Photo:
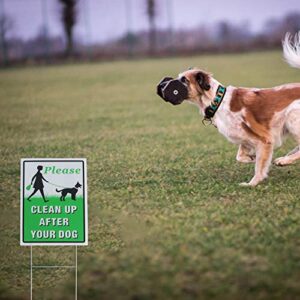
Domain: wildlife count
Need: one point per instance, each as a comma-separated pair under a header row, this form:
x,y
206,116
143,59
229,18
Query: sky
x,y
103,20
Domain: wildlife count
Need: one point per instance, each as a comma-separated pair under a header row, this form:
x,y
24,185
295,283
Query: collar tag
x,y
206,121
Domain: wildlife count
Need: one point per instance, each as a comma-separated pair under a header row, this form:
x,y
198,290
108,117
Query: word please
x,y
55,170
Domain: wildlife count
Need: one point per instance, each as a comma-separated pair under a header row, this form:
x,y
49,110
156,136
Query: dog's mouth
x,y
172,90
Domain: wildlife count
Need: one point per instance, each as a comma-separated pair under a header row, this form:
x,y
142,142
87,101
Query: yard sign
x,y
53,202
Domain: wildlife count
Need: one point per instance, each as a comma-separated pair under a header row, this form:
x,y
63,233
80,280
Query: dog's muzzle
x,y
172,90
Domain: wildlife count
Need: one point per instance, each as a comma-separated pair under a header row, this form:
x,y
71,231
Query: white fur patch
x,y
291,51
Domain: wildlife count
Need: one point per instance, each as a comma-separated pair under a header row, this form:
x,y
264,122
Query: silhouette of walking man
x,y
38,184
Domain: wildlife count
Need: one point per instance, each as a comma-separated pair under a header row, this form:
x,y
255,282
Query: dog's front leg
x,y
264,153
245,155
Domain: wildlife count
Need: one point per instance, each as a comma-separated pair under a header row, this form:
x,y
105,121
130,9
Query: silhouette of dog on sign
x,y
73,191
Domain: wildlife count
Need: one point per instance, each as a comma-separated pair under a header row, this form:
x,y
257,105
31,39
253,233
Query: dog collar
x,y
213,107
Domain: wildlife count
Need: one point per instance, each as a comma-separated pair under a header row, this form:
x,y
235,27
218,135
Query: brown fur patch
x,y
256,128
255,134
261,105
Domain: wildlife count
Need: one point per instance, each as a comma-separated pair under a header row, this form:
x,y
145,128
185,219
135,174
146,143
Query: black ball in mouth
x,y
172,90
175,101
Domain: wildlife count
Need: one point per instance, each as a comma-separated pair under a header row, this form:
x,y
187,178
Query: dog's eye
x,y
183,80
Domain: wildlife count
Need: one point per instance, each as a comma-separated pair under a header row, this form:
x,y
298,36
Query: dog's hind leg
x,y
293,125
294,150
289,159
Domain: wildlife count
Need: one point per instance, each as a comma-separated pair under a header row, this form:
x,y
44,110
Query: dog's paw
x,y
282,161
257,179
253,182
245,184
246,159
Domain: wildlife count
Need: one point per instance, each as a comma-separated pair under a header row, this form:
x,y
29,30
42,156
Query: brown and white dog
x,y
255,119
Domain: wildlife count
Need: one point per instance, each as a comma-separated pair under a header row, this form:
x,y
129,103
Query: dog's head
x,y
189,85
78,185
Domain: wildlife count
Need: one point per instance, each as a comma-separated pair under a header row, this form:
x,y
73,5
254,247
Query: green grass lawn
x,y
167,218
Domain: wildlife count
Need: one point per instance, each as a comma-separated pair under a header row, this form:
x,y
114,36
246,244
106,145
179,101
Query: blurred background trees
x,y
147,28
69,20
6,25
151,12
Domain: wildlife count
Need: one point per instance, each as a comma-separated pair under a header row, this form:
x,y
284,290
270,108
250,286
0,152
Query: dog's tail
x,y
291,49
58,190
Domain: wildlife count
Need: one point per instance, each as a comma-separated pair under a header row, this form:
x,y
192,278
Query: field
x,y
167,218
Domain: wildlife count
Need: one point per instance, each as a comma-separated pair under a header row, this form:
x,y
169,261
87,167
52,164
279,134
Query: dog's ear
x,y
203,80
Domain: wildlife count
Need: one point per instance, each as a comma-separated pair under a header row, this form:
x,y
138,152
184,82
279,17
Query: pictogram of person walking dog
x,y
38,185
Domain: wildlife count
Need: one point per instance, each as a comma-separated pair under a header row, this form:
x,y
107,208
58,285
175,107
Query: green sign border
x,y
85,203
